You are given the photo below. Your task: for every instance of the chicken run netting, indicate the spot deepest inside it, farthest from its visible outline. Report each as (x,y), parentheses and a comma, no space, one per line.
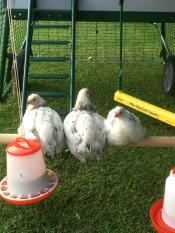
(2,42)
(18,29)
(99,42)
(170,36)
(96,42)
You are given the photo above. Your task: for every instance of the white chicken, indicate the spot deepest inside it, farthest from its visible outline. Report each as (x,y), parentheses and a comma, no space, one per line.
(84,128)
(43,123)
(123,127)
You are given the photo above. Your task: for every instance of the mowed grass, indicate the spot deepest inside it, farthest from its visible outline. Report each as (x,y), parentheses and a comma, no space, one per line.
(114,194)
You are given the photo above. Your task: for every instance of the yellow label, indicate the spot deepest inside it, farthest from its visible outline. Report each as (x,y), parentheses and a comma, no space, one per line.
(147,108)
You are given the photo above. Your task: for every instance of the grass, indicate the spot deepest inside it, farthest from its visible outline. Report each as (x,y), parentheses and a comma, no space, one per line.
(113,195)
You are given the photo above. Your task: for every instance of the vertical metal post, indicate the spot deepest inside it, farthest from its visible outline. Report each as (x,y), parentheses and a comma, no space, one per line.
(96,39)
(8,76)
(4,53)
(163,33)
(120,82)
(165,52)
(27,54)
(72,81)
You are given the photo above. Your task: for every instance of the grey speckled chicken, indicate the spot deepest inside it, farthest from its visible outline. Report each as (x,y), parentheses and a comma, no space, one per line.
(43,123)
(123,127)
(84,128)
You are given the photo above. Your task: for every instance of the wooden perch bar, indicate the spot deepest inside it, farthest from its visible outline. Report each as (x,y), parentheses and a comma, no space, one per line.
(151,141)
(7,138)
(157,141)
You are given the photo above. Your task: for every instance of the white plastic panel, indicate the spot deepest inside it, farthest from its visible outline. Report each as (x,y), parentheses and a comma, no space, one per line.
(98,5)
(102,5)
(54,4)
(43,4)
(19,4)
(150,5)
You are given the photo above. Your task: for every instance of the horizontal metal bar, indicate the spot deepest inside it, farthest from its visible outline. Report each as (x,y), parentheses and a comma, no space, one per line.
(48,76)
(50,42)
(51,26)
(101,16)
(51,93)
(49,59)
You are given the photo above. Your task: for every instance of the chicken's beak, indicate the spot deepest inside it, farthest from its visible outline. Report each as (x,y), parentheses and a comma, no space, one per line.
(28,102)
(88,93)
(117,113)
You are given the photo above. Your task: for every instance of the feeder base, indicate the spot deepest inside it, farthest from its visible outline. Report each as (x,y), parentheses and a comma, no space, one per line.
(157,220)
(19,199)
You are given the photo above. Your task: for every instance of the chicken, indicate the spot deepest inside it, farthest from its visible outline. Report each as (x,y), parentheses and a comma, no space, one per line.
(84,128)
(123,127)
(43,123)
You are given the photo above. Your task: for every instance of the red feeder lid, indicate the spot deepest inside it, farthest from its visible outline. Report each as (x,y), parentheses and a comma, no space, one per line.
(173,170)
(157,220)
(22,146)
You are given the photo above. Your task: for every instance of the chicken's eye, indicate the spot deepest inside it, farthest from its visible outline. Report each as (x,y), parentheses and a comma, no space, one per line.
(34,99)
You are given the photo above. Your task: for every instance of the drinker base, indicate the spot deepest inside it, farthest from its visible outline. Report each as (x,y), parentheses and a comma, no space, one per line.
(19,199)
(157,220)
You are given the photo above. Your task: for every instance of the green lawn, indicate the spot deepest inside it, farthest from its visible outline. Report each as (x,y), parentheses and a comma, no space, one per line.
(109,196)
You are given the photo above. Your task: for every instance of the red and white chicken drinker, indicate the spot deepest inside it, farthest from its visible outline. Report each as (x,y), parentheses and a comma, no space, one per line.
(27,179)
(162,212)
(168,212)
(26,170)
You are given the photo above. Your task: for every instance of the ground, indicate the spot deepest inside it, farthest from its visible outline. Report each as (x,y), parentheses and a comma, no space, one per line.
(115,194)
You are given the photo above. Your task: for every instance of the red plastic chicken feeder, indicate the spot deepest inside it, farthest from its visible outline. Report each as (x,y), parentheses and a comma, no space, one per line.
(162,212)
(27,179)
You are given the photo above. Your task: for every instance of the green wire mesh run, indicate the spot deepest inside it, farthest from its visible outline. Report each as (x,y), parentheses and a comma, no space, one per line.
(51,50)
(2,27)
(96,42)
(51,35)
(141,42)
(99,42)
(170,36)
(51,43)
(18,31)
(4,79)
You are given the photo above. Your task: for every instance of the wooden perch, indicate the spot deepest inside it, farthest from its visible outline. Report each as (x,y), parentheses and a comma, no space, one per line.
(152,141)
(7,138)
(156,141)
